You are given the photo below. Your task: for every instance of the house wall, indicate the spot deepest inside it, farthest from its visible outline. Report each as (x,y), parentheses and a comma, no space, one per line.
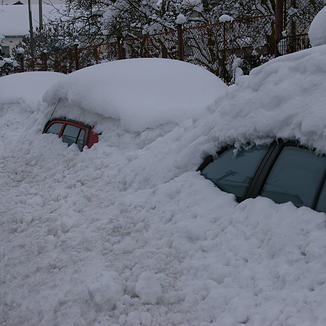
(8,42)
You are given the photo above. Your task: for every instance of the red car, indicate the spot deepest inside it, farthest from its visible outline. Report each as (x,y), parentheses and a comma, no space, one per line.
(72,132)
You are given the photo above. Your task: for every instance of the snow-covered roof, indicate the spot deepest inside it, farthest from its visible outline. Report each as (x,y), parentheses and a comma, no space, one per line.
(14,19)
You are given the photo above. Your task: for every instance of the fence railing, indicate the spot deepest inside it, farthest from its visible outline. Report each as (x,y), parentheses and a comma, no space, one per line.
(217,47)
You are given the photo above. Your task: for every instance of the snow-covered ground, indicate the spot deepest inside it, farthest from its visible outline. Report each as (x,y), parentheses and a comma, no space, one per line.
(128,233)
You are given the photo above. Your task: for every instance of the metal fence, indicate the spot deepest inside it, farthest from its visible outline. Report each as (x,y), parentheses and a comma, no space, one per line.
(297,16)
(219,47)
(214,47)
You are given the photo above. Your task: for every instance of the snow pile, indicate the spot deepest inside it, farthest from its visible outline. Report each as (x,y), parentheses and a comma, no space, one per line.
(317,30)
(128,233)
(141,93)
(226,18)
(181,19)
(283,98)
(26,88)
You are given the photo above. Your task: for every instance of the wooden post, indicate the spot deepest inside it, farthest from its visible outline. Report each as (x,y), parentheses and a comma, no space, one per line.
(278,25)
(77,57)
(96,54)
(120,48)
(45,61)
(181,52)
(22,69)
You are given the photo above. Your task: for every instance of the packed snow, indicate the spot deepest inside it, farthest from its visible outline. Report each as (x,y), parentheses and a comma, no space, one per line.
(128,233)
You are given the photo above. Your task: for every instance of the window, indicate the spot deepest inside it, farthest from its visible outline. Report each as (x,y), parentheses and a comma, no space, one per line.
(233,172)
(295,177)
(73,135)
(282,172)
(54,128)
(321,204)
(72,132)
(5,51)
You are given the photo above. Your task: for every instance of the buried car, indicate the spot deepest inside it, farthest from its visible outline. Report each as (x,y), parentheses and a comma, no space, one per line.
(139,94)
(72,132)
(272,133)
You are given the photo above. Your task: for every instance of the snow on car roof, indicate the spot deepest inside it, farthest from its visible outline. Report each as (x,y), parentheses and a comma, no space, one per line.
(283,98)
(142,93)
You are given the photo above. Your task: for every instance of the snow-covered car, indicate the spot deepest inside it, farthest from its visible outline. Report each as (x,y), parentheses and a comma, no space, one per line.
(273,144)
(139,94)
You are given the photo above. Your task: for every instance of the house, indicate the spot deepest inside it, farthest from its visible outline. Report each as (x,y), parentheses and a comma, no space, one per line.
(14,22)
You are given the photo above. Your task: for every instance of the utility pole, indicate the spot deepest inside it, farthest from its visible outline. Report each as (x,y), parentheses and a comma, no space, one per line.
(278,24)
(40,11)
(31,28)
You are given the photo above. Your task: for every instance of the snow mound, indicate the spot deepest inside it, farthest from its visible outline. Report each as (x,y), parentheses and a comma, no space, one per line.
(317,30)
(142,93)
(26,88)
(148,288)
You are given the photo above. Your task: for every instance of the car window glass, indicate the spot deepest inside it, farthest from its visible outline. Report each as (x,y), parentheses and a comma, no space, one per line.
(321,204)
(55,128)
(70,134)
(80,139)
(233,173)
(295,176)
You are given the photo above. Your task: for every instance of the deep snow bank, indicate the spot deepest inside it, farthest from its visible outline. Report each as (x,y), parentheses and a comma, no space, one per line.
(26,88)
(132,235)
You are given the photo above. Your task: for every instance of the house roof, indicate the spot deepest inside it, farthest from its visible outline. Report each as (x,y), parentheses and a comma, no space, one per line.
(14,19)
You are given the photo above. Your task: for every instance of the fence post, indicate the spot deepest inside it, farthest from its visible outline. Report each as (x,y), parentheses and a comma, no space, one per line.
(22,65)
(181,51)
(120,48)
(278,25)
(223,69)
(77,57)
(96,54)
(45,61)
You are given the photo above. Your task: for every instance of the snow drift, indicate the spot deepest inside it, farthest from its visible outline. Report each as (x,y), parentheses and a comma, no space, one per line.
(128,233)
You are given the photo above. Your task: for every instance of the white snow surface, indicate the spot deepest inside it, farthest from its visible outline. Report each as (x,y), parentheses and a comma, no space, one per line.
(141,93)
(128,233)
(317,30)
(181,19)
(225,18)
(26,88)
